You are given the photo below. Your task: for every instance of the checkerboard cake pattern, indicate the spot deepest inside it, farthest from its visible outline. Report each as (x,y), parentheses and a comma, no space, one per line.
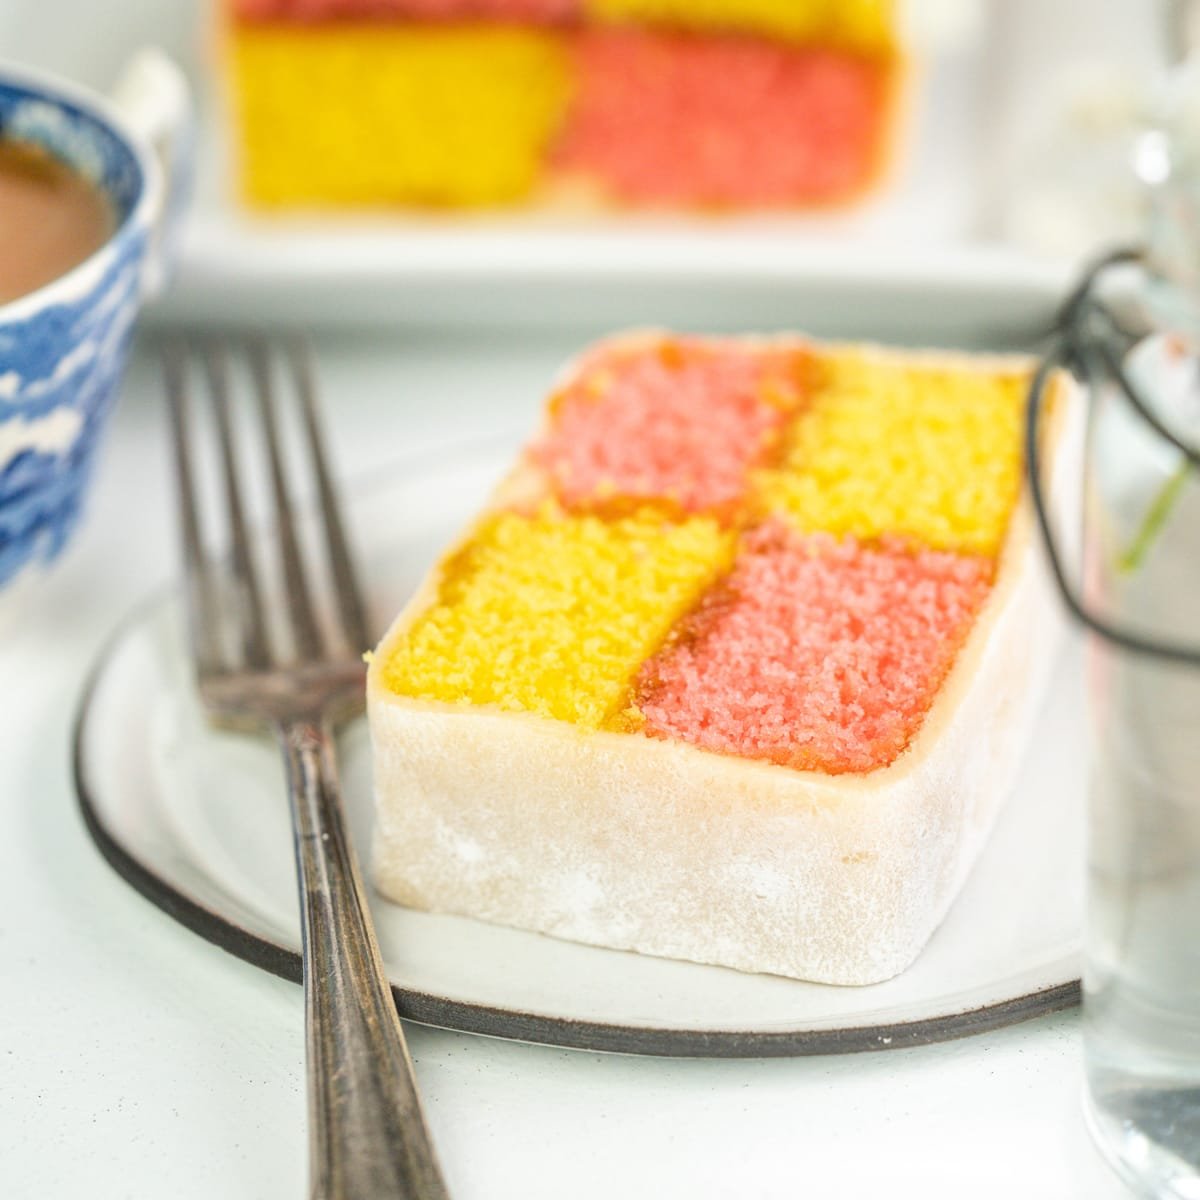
(709,104)
(766,549)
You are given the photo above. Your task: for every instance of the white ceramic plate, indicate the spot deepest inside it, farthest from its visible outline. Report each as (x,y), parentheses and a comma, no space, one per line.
(197,821)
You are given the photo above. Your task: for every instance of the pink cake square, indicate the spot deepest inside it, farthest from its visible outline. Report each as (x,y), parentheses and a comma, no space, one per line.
(817,654)
(626,425)
(667,118)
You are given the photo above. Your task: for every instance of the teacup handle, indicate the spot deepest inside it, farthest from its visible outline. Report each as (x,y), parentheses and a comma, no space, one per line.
(152,98)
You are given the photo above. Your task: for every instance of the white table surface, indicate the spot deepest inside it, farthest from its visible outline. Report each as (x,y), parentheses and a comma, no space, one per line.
(138,1061)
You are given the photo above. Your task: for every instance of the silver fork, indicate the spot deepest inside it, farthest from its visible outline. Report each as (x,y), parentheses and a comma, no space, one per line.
(367,1136)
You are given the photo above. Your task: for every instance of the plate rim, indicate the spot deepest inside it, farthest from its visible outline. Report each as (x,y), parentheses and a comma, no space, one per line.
(513,1024)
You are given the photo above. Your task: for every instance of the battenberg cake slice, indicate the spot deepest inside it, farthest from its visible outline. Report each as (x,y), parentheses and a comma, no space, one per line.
(737,667)
(566,104)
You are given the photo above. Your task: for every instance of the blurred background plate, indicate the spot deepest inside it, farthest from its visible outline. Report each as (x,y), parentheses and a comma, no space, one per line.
(941,224)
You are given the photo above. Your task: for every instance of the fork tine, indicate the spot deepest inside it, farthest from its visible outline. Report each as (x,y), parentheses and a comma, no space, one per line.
(299,600)
(249,596)
(199,585)
(349,593)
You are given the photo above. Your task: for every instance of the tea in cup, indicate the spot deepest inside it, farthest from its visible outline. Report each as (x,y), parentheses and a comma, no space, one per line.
(51,218)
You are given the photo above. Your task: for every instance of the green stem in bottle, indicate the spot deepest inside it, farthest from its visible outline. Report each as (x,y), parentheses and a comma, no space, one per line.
(1155,518)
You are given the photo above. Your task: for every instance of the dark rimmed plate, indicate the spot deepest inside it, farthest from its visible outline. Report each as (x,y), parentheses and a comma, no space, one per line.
(196,821)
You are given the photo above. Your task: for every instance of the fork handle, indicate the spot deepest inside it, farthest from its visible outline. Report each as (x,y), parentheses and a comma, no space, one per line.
(367,1137)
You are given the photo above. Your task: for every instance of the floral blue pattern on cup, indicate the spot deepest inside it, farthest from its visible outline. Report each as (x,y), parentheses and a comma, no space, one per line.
(63,347)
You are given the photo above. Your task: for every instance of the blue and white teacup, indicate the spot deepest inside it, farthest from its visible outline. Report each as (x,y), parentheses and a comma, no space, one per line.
(63,346)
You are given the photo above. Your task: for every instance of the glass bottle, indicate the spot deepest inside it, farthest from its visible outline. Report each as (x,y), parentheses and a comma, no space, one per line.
(1138,351)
